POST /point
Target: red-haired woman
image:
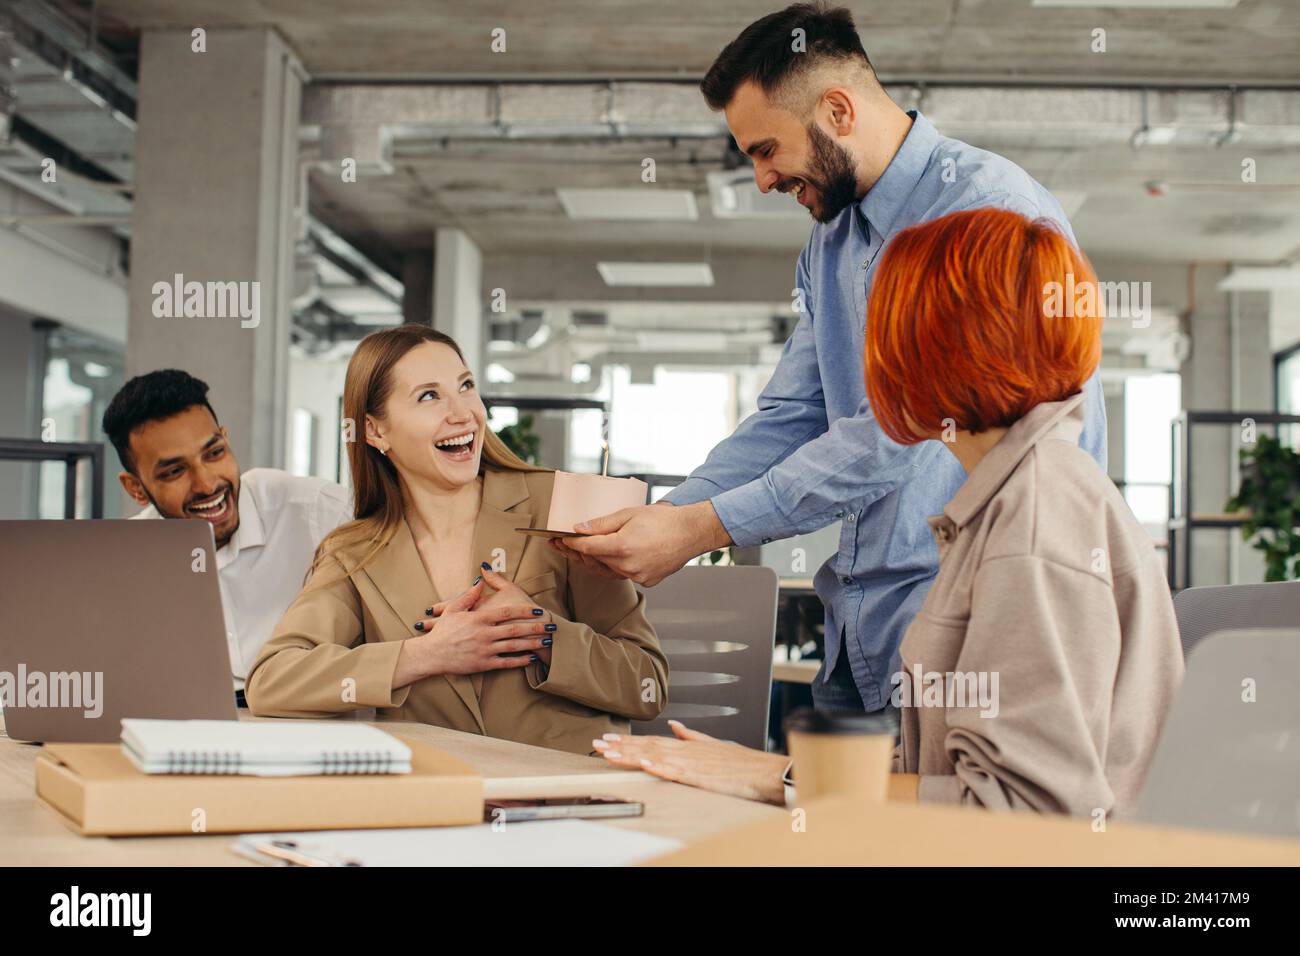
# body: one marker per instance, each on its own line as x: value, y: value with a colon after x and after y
x: 1045, y: 657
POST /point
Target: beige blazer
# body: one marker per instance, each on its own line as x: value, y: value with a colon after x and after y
x: 336, y: 648
x: 1048, y: 585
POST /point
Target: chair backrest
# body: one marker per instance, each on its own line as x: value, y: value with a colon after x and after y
x: 1229, y: 753
x: 717, y: 627
x: 1202, y: 611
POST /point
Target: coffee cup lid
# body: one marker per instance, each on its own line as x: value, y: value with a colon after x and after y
x: 806, y: 720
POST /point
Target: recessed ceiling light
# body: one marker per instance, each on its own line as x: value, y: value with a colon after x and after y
x: 359, y: 298
x: 1260, y: 278
x: 734, y: 195
x: 656, y: 273
x: 646, y: 202
x: 682, y: 341
x: 332, y: 275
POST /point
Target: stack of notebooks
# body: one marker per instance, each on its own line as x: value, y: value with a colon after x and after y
x: 226, y: 776
x: 261, y: 750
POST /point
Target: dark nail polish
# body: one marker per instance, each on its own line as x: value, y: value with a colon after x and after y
x: 419, y: 625
x: 538, y: 612
x: 547, y: 641
x: 533, y: 658
x: 485, y: 566
x: 477, y: 580
x: 429, y: 611
x: 549, y: 627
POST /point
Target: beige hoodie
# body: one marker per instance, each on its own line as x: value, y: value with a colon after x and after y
x: 1051, y: 624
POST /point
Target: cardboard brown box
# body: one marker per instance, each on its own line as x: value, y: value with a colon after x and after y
x: 99, y: 792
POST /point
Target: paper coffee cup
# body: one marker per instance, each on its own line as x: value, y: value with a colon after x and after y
x: 847, y: 755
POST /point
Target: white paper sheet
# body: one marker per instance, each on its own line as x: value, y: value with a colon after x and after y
x: 536, y: 843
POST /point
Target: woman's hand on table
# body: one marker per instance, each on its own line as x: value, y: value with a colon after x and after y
x: 701, y: 761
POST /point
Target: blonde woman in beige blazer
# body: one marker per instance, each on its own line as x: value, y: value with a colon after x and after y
x: 403, y: 610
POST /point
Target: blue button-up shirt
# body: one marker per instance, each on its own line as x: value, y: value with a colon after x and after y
x: 813, y: 452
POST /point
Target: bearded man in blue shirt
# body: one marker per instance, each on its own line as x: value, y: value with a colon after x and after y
x: 803, y: 102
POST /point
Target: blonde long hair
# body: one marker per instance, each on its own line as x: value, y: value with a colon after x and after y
x: 376, y: 489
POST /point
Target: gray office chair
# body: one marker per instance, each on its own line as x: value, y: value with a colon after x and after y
x: 1229, y: 753
x: 717, y: 627
x: 1202, y: 611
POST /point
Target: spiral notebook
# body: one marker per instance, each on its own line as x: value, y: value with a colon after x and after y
x: 289, y: 749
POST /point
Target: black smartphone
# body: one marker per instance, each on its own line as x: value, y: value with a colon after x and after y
x: 559, y: 808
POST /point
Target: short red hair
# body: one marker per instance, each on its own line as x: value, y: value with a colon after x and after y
x: 977, y: 317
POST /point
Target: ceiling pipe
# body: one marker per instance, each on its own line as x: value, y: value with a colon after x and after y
x: 430, y: 116
x: 956, y: 80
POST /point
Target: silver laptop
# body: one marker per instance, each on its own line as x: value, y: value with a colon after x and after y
x: 1229, y: 754
x: 101, y: 620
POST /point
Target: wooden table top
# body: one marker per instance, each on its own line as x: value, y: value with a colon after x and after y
x: 835, y: 831
x: 719, y: 830
x: 32, y: 834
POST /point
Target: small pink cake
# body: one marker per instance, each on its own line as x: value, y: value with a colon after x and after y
x: 583, y: 497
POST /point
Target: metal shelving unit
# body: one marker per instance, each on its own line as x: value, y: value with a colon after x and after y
x: 70, y: 453
x: 1182, y: 520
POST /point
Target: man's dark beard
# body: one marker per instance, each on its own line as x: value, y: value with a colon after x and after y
x: 221, y: 543
x: 834, y: 176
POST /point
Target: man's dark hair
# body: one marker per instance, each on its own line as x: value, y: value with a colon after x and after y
x: 151, y: 397
x: 771, y: 54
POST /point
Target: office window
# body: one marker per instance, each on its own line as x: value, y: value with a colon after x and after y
x: 82, y: 373
x: 66, y: 406
x: 303, y: 443
x: 502, y: 416
x: 1151, y: 403
x: 668, y: 426
x: 1288, y: 393
x: 585, y: 453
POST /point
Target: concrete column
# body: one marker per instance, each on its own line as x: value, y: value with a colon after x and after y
x: 552, y: 428
x: 417, y: 288
x: 457, y: 302
x: 20, y: 410
x: 1230, y: 368
x: 1115, y: 411
x: 216, y: 168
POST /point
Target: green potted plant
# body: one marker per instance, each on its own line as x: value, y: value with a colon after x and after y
x: 521, y: 439
x: 1269, y: 498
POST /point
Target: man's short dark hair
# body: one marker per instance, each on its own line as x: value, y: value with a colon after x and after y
x: 151, y: 397
x: 770, y: 53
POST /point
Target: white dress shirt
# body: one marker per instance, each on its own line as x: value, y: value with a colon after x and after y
x: 282, y: 518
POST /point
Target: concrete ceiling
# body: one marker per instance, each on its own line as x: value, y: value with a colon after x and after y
x: 503, y: 191
x: 918, y: 39
x: 504, y: 195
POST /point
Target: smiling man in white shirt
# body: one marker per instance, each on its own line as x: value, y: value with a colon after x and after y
x: 266, y: 523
